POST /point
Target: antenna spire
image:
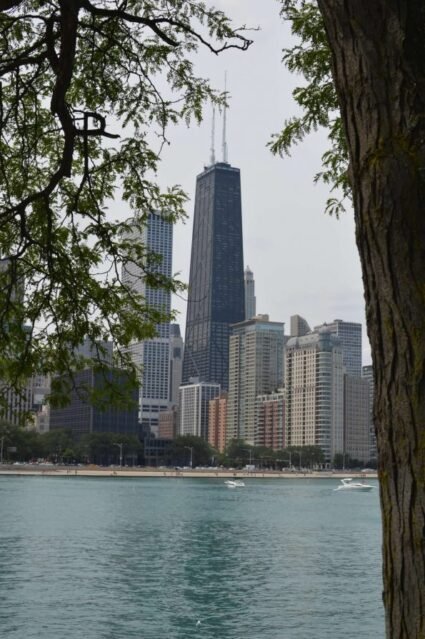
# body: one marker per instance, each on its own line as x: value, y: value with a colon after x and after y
x: 212, y: 156
x: 224, y: 143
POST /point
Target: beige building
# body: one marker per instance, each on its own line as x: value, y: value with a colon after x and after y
x: 256, y: 350
x: 168, y: 423
x: 299, y: 326
x: 314, y: 382
x: 356, y: 418
x: 217, y: 422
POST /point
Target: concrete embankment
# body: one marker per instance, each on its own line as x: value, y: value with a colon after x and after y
x: 72, y: 471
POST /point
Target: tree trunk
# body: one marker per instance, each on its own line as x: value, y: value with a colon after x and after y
x: 378, y: 49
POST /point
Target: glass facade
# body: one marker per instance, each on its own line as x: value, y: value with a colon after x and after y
x: 81, y: 417
x: 216, y: 285
x: 153, y: 356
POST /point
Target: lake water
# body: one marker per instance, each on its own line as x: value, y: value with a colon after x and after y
x: 124, y: 558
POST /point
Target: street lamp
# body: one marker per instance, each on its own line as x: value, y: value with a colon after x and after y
x: 120, y: 447
x: 191, y: 455
x: 290, y: 458
x: 297, y: 452
x: 249, y: 450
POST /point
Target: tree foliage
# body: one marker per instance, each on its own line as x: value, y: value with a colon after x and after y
x: 88, y: 89
x: 310, y: 57
x: 180, y: 452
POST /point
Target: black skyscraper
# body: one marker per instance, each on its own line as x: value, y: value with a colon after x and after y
x: 216, y: 284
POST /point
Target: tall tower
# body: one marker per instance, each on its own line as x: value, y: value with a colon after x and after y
x: 153, y: 355
x: 216, y: 284
x: 250, y: 301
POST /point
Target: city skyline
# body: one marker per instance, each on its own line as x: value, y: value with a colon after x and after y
x: 304, y: 262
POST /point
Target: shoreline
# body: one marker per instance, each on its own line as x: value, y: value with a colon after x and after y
x: 141, y: 473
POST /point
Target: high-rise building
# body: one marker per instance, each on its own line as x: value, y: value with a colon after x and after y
x: 24, y: 407
x: 250, y: 301
x: 299, y: 326
x: 350, y: 334
x: 176, y: 363
x: 314, y: 382
x: 356, y: 418
x: 367, y: 374
x: 82, y: 417
x: 270, y: 420
x: 216, y: 296
x: 255, y: 368
x: 217, y: 422
x: 194, y: 405
x: 153, y: 355
x: 16, y: 405
x: 101, y: 350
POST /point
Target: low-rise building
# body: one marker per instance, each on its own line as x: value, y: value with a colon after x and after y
x: 168, y: 423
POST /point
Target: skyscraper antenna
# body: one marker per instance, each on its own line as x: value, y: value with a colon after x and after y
x: 224, y: 144
x: 212, y: 156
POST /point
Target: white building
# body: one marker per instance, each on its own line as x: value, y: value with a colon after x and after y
x: 153, y: 356
x: 256, y: 350
x: 314, y: 381
x: 250, y: 300
x: 194, y: 408
x: 350, y: 335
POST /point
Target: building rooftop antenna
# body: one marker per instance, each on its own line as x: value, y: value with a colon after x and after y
x: 224, y: 144
x: 212, y: 156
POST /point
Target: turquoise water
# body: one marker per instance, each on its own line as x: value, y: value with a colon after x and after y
x: 147, y: 558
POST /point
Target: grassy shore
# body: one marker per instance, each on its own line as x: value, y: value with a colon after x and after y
x: 97, y: 471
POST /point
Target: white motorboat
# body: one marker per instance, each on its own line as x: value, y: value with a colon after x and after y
x: 348, y: 484
x: 234, y: 483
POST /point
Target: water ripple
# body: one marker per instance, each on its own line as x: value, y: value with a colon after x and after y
x: 143, y: 558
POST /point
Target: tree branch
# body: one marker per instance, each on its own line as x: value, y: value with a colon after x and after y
x: 9, y: 4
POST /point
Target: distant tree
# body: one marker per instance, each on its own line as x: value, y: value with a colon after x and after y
x: 69, y: 455
x: 26, y: 444
x: 238, y: 453
x: 55, y: 442
x: 88, y: 89
x: 304, y: 456
x: 364, y: 65
x: 180, y: 453
x: 341, y: 461
x: 263, y: 457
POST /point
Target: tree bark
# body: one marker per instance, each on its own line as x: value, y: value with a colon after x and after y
x: 378, y: 49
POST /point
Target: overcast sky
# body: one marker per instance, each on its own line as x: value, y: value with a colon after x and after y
x: 303, y: 261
